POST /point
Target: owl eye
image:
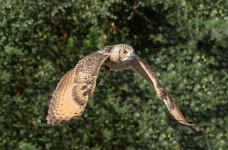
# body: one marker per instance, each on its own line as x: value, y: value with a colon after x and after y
x: 124, y: 52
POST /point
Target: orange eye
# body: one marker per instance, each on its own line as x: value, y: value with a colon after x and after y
x: 124, y: 52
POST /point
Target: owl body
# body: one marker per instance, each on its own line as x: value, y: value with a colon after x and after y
x: 77, y: 86
x: 110, y: 65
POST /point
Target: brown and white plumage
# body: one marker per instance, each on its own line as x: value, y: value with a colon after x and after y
x: 143, y: 68
x: 74, y: 89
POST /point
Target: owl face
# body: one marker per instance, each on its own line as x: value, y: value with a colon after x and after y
x: 122, y: 52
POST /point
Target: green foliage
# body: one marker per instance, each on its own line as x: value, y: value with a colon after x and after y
x: 186, y: 41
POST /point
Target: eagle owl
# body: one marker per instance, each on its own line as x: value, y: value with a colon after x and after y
x: 77, y: 85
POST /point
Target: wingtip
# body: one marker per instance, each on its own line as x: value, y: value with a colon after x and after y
x: 51, y: 121
x: 196, y: 129
x: 193, y: 126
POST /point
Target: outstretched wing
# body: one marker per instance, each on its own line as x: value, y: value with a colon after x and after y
x: 143, y: 68
x: 74, y: 89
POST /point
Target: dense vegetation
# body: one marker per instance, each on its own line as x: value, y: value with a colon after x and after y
x: 185, y: 41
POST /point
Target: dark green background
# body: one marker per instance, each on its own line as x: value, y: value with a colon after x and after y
x: 185, y: 41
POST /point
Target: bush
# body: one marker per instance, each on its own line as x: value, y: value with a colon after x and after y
x: 185, y: 41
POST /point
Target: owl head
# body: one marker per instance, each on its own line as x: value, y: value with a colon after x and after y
x: 122, y: 52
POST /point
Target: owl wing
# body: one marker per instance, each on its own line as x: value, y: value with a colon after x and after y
x: 74, y: 89
x: 144, y: 69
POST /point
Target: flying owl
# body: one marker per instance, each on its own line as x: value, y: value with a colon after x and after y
x: 77, y: 85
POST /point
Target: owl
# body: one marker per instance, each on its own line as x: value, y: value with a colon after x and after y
x: 77, y: 85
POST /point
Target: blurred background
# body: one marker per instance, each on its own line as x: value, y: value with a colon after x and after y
x: 186, y: 42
